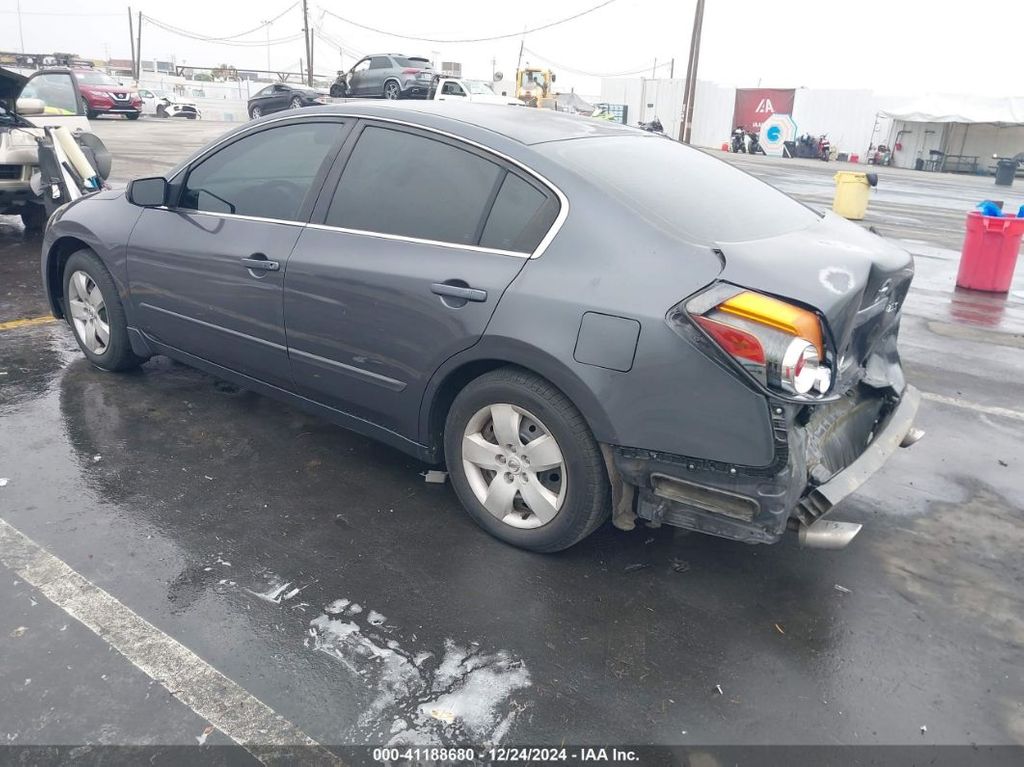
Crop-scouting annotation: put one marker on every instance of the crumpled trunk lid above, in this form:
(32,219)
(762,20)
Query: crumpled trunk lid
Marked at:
(856,280)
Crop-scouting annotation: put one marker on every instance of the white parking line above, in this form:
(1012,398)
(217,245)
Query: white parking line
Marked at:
(242,717)
(1001,412)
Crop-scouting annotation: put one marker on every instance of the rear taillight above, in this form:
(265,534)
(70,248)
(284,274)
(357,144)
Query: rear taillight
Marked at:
(781,345)
(411,71)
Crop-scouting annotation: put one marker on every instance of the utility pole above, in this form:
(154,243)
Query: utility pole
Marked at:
(138,50)
(654,69)
(686,126)
(131,36)
(21,32)
(267,27)
(309,45)
(672,68)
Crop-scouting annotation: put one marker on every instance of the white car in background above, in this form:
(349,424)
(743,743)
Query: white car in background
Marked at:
(163,104)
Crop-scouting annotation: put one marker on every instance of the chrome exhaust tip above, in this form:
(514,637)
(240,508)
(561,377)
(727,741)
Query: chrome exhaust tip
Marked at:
(826,534)
(912,436)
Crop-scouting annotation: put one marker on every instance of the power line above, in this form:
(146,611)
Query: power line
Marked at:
(58,13)
(225,39)
(637,71)
(575,16)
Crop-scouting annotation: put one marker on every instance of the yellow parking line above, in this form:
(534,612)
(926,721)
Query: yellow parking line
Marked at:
(12,324)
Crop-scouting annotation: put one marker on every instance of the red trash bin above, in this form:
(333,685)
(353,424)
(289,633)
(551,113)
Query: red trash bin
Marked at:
(990,252)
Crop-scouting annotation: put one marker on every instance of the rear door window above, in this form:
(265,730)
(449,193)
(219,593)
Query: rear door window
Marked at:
(380,62)
(266,174)
(520,217)
(402,183)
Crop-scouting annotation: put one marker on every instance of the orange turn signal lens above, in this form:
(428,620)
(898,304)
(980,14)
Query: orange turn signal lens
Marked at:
(777,314)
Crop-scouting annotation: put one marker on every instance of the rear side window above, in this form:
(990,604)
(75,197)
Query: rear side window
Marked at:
(520,217)
(682,190)
(380,62)
(406,184)
(266,174)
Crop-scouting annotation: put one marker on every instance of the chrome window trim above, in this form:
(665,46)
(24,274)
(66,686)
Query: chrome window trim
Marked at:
(563,210)
(420,241)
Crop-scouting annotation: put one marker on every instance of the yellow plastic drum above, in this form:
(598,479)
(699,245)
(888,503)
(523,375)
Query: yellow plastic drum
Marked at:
(852,190)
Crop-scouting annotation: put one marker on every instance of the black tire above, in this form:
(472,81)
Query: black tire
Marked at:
(338,91)
(587,502)
(161,111)
(135,116)
(296,102)
(91,114)
(255,112)
(34,217)
(392,90)
(118,354)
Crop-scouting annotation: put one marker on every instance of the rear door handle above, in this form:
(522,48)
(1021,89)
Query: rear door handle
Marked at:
(458,291)
(259,262)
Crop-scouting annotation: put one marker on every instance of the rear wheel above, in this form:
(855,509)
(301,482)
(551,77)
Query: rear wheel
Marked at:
(296,102)
(524,463)
(392,90)
(95,313)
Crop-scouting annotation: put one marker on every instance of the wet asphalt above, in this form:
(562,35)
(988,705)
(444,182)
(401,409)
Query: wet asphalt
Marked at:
(292,555)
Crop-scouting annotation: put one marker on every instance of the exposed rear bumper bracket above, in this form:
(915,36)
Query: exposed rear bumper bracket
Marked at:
(898,431)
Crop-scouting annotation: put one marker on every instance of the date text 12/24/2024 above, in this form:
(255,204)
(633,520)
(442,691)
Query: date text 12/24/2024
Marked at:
(525,754)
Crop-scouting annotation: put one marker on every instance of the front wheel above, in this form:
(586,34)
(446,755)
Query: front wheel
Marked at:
(94,311)
(256,112)
(392,91)
(135,116)
(524,463)
(296,102)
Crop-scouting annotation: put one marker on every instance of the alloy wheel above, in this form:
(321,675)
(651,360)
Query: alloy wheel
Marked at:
(88,312)
(296,102)
(391,91)
(256,112)
(514,466)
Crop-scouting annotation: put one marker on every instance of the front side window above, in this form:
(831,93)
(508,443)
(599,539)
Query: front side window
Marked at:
(453,89)
(406,184)
(266,174)
(362,66)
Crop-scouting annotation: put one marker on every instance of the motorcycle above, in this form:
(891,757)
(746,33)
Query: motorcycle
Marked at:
(654,126)
(739,140)
(754,144)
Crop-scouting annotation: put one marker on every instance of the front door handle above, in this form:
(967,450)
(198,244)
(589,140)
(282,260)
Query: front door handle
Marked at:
(260,263)
(462,291)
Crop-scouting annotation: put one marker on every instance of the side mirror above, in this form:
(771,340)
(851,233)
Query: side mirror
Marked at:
(29,106)
(553,78)
(148,192)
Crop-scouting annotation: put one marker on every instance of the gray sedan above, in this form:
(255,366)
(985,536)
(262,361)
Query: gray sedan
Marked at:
(583,321)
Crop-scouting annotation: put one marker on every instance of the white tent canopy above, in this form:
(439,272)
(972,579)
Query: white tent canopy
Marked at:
(962,109)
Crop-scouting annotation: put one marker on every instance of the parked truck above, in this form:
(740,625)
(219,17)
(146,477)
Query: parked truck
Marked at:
(446,88)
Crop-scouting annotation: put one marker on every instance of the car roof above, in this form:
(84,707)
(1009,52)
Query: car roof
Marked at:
(527,125)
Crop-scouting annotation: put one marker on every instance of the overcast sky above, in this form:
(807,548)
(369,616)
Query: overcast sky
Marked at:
(904,47)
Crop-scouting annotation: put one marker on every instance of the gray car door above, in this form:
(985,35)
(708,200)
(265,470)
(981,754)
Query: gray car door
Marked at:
(390,279)
(205,273)
(380,68)
(357,78)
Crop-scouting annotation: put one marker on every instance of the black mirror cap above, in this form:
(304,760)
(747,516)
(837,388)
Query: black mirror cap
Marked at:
(148,192)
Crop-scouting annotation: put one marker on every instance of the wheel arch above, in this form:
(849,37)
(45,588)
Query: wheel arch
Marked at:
(56,257)
(394,80)
(490,355)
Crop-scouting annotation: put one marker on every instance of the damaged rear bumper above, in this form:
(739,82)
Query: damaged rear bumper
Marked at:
(817,465)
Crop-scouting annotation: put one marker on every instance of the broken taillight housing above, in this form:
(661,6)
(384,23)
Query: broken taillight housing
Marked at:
(779,344)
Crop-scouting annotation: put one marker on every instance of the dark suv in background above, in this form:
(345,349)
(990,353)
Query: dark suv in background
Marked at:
(389,76)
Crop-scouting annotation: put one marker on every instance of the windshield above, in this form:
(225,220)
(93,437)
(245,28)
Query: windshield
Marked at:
(479,86)
(95,78)
(412,62)
(683,190)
